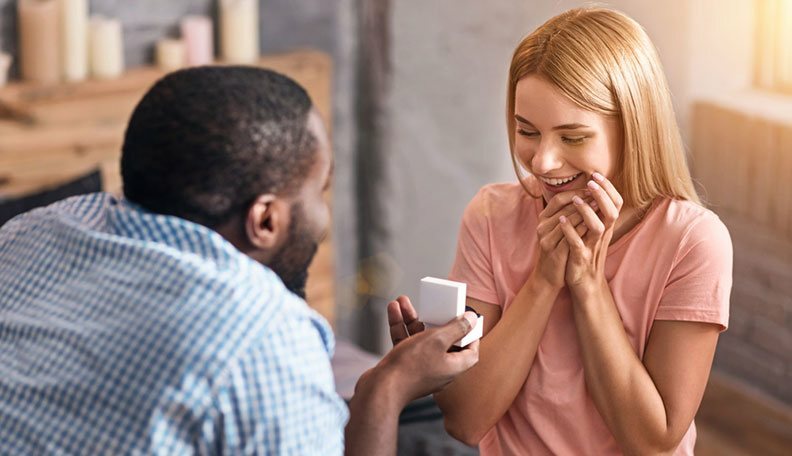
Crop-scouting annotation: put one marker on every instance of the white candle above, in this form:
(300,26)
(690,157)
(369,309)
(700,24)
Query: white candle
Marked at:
(107,48)
(39,51)
(239,30)
(5,65)
(170,54)
(74,39)
(198,40)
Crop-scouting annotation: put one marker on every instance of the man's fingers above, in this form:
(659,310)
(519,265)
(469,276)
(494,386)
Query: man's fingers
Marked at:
(462,360)
(394,313)
(414,325)
(398,330)
(407,309)
(456,328)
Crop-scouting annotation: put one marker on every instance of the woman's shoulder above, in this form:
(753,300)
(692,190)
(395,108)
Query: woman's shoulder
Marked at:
(503,199)
(691,223)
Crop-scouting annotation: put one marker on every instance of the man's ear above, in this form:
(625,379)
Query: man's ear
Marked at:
(267,222)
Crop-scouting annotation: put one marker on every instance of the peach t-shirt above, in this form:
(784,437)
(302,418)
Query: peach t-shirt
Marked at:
(676,264)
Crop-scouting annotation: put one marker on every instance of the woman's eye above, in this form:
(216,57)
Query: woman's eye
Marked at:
(527,133)
(573,140)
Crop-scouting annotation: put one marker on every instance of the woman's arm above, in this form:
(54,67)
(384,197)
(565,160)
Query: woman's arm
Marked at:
(477,399)
(649,405)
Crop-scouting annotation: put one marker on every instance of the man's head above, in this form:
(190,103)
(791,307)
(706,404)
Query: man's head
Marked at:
(240,150)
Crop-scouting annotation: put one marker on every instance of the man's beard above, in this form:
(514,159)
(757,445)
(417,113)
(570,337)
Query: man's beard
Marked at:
(292,260)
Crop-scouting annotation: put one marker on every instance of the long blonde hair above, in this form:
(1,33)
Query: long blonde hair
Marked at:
(604,62)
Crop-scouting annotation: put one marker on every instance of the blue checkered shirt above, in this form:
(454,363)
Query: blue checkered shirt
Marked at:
(127,332)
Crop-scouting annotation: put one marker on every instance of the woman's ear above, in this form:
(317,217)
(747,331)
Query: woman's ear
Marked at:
(267,222)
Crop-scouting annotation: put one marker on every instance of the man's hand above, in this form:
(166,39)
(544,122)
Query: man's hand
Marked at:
(403,320)
(420,362)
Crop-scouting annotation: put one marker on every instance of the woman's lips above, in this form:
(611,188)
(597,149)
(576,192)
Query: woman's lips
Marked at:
(562,188)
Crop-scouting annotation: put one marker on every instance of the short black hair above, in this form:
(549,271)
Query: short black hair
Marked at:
(204,142)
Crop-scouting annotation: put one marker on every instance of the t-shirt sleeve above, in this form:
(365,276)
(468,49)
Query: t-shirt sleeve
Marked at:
(473,263)
(700,282)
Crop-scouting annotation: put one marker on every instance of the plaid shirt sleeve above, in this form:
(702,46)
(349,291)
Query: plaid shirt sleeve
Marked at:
(278,397)
(275,400)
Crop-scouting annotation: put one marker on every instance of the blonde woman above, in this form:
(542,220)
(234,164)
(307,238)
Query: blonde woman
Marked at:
(603,281)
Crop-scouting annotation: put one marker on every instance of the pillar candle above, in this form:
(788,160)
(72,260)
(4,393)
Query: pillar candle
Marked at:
(198,40)
(239,30)
(5,65)
(74,39)
(170,54)
(107,48)
(39,51)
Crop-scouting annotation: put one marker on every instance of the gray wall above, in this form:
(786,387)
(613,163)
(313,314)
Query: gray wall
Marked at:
(445,133)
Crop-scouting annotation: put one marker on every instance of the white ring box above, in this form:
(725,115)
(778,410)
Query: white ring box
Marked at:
(441,301)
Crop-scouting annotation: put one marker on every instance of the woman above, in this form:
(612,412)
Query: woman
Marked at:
(603,281)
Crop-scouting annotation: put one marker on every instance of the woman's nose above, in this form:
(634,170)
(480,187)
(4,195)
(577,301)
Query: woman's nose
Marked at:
(546,158)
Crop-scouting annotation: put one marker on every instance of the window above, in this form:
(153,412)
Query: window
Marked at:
(774,45)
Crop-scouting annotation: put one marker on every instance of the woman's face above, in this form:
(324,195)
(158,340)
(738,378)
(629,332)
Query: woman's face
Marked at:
(560,143)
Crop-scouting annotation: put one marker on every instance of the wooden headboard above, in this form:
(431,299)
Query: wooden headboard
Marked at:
(51,134)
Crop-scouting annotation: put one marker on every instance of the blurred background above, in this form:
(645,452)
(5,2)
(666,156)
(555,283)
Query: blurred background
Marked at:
(415,93)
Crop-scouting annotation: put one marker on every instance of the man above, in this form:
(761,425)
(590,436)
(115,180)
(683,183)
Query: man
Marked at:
(171,321)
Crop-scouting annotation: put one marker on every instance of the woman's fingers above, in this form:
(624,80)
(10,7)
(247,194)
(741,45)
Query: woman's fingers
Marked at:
(608,209)
(546,225)
(595,226)
(573,241)
(569,211)
(551,240)
(561,200)
(607,185)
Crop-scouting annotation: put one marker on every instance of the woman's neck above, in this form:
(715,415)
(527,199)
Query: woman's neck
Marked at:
(629,217)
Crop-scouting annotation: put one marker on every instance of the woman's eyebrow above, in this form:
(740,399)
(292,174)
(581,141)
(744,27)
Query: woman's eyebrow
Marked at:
(570,126)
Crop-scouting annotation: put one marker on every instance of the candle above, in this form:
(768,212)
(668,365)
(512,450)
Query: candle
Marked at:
(198,40)
(107,48)
(74,39)
(170,54)
(39,51)
(5,65)
(239,30)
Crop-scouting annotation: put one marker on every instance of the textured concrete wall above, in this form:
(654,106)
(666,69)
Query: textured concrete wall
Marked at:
(758,345)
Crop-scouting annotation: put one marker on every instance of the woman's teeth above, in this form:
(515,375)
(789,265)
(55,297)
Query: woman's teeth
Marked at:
(559,182)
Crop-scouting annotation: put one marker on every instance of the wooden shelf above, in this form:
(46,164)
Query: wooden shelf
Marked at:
(51,134)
